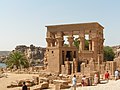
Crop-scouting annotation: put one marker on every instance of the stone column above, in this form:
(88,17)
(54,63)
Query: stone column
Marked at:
(75,65)
(94,46)
(59,42)
(49,41)
(82,41)
(113,67)
(67,66)
(63,69)
(90,45)
(98,62)
(82,68)
(94,49)
(53,40)
(70,40)
(59,39)
(92,64)
(101,45)
(102,71)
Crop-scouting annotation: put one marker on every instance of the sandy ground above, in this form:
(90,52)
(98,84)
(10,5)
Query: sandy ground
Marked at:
(111,85)
(4,82)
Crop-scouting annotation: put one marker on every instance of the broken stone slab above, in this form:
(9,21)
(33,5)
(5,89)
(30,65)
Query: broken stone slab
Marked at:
(61,84)
(44,80)
(44,85)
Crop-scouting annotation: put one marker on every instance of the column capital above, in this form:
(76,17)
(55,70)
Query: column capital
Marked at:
(70,40)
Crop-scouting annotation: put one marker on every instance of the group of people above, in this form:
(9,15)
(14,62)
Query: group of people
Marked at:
(74,80)
(83,83)
(116,74)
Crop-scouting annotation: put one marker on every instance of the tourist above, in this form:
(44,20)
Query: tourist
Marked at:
(83,80)
(107,76)
(24,87)
(95,79)
(116,74)
(74,81)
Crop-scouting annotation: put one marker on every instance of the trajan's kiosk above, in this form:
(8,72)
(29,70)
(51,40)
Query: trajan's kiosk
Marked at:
(68,59)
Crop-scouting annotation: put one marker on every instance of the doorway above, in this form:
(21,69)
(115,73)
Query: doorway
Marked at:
(69,55)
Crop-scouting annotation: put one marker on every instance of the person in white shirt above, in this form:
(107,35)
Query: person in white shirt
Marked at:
(74,81)
(116,74)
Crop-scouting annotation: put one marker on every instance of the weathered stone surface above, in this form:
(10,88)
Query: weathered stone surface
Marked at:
(34,54)
(67,60)
(44,85)
(60,82)
(36,79)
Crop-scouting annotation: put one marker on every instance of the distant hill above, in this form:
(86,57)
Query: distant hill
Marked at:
(5,53)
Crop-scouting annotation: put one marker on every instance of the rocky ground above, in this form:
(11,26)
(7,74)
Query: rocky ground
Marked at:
(4,82)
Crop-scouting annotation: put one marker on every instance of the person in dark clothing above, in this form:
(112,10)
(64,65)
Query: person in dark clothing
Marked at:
(24,87)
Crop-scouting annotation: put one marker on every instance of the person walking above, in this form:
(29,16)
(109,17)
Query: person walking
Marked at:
(116,74)
(107,75)
(95,79)
(24,87)
(74,81)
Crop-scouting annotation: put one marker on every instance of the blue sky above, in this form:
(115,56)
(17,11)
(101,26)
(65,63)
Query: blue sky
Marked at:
(22,22)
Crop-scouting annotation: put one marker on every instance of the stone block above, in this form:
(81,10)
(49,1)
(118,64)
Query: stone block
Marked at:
(44,85)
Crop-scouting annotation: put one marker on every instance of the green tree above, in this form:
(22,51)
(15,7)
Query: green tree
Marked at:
(86,44)
(17,59)
(108,54)
(76,43)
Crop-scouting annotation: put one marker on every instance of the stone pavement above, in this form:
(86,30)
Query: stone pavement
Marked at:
(111,85)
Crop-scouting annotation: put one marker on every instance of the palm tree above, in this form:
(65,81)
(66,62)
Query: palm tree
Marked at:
(17,59)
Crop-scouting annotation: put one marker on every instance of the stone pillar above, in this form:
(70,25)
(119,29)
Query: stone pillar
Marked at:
(82,43)
(59,39)
(102,70)
(92,65)
(59,42)
(72,67)
(52,35)
(67,66)
(49,41)
(75,65)
(82,40)
(53,42)
(82,68)
(94,46)
(63,69)
(70,40)
(113,67)
(107,68)
(90,45)
(98,62)
(94,49)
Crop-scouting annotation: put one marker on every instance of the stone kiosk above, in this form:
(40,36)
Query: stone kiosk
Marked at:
(69,59)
